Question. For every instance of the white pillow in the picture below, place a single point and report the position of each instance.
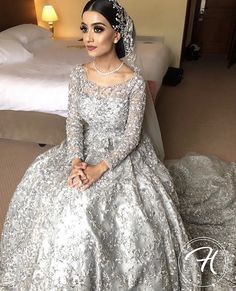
(25, 33)
(38, 44)
(11, 51)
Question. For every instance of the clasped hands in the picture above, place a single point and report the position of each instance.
(83, 175)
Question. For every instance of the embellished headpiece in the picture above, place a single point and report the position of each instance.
(125, 27)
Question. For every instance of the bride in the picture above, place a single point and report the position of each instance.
(98, 211)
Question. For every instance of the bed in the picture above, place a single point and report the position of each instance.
(33, 91)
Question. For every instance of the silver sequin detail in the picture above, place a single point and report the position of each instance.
(124, 232)
(206, 188)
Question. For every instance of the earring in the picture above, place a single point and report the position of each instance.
(115, 41)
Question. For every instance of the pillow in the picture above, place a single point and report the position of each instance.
(37, 44)
(11, 51)
(25, 33)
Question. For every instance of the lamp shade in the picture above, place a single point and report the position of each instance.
(49, 14)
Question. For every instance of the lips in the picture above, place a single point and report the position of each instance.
(91, 48)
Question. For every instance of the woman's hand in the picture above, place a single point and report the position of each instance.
(75, 162)
(77, 176)
(93, 173)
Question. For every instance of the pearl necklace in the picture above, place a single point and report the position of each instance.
(106, 73)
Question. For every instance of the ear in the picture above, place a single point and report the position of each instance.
(117, 37)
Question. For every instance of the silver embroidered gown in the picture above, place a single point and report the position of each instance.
(206, 188)
(124, 232)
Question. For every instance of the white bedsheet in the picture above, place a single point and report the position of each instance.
(41, 84)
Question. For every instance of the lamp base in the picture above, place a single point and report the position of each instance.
(51, 28)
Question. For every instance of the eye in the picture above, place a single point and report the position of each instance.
(98, 29)
(83, 28)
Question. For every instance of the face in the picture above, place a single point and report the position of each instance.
(98, 35)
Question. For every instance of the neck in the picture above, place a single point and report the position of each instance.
(107, 63)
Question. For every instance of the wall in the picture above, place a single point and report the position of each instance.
(152, 17)
(191, 22)
(68, 11)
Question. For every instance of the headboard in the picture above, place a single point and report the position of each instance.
(15, 12)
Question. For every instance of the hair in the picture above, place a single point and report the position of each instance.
(105, 8)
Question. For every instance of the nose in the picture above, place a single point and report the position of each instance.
(89, 36)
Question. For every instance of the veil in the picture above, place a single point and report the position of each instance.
(151, 126)
(150, 123)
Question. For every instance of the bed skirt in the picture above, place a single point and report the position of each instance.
(30, 126)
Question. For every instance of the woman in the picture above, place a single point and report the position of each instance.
(112, 225)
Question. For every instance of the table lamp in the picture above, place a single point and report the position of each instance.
(49, 15)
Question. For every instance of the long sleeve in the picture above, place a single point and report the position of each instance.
(74, 125)
(133, 127)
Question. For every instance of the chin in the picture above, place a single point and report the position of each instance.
(92, 54)
(97, 54)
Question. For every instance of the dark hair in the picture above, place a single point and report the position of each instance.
(105, 7)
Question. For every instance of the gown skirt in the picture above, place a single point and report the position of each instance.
(122, 233)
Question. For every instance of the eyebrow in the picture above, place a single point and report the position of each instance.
(96, 23)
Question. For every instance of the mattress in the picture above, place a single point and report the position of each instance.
(41, 83)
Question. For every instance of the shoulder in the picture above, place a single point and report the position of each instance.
(76, 69)
(126, 72)
(76, 72)
(137, 81)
